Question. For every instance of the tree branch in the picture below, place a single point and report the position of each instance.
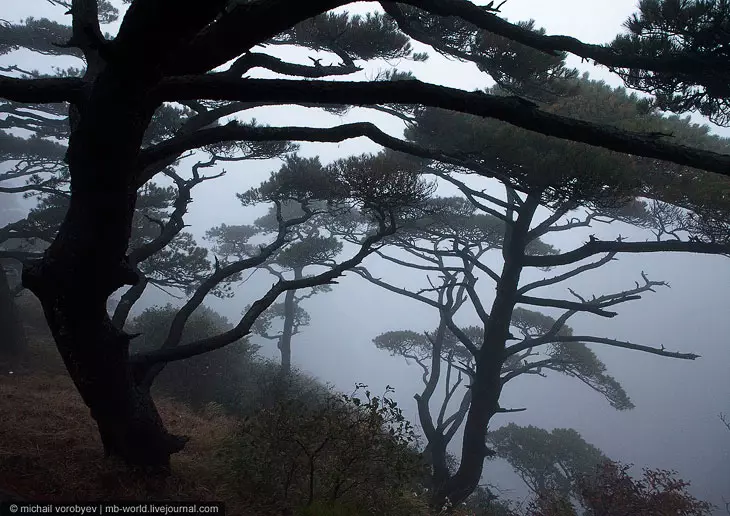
(598, 246)
(236, 132)
(257, 60)
(626, 345)
(507, 109)
(41, 91)
(244, 26)
(364, 273)
(562, 277)
(706, 69)
(173, 352)
(569, 305)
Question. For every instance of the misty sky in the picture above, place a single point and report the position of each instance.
(675, 424)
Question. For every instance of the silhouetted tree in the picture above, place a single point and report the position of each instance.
(454, 238)
(310, 245)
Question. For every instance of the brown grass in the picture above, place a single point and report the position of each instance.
(50, 451)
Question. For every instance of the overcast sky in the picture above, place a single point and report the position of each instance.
(675, 424)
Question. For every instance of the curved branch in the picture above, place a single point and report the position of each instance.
(246, 25)
(234, 132)
(364, 273)
(507, 109)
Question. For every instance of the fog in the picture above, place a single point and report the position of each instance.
(675, 424)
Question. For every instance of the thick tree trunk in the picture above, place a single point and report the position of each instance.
(73, 282)
(435, 456)
(86, 263)
(11, 325)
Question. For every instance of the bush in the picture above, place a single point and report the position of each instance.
(348, 454)
(612, 491)
(221, 376)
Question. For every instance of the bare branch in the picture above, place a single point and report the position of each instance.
(562, 277)
(570, 305)
(626, 345)
(600, 246)
(364, 273)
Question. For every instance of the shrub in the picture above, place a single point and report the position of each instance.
(221, 376)
(342, 453)
(613, 491)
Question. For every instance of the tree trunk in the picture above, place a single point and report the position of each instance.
(86, 263)
(435, 456)
(284, 345)
(11, 325)
(73, 282)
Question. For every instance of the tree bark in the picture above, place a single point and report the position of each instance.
(11, 325)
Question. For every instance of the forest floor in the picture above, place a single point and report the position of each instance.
(50, 449)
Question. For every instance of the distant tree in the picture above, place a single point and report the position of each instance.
(454, 239)
(165, 53)
(310, 245)
(547, 461)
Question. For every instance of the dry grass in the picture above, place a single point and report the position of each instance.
(50, 450)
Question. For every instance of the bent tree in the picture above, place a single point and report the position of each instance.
(197, 54)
